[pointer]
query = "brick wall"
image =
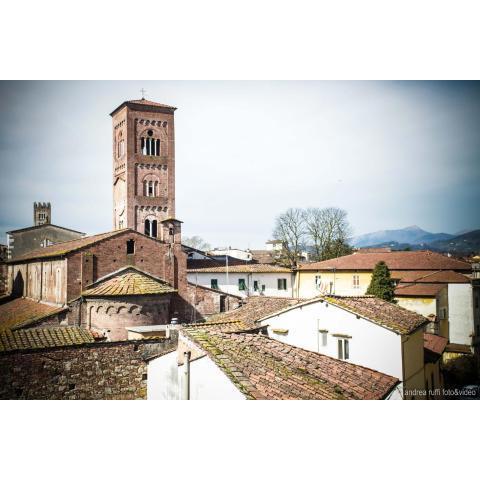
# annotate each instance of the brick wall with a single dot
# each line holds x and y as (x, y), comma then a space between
(99, 371)
(203, 302)
(110, 255)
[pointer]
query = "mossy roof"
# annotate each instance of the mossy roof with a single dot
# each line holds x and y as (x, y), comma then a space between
(128, 281)
(64, 248)
(38, 338)
(263, 368)
(383, 313)
(22, 312)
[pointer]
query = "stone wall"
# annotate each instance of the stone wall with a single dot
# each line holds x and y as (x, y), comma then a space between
(205, 301)
(3, 270)
(116, 370)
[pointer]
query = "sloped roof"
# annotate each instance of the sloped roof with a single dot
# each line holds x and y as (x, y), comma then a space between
(417, 260)
(255, 308)
(386, 314)
(434, 343)
(204, 263)
(128, 281)
(36, 338)
(59, 249)
(263, 368)
(245, 268)
(143, 102)
(263, 256)
(418, 289)
(429, 276)
(36, 227)
(21, 312)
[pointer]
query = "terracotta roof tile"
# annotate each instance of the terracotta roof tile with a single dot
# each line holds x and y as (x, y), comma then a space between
(385, 314)
(21, 312)
(418, 289)
(245, 268)
(263, 368)
(59, 249)
(143, 101)
(255, 308)
(36, 338)
(434, 343)
(128, 281)
(419, 260)
(429, 276)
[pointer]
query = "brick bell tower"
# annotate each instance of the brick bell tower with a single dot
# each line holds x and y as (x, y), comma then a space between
(143, 167)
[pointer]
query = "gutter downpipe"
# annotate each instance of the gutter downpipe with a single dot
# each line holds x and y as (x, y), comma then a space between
(186, 376)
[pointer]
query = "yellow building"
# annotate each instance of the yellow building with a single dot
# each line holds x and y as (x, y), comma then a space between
(351, 274)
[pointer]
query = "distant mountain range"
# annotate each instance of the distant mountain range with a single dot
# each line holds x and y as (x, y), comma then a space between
(415, 238)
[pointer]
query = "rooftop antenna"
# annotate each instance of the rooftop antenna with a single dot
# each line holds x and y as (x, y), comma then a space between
(143, 92)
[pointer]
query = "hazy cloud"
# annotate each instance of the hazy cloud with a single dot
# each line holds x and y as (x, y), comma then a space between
(391, 153)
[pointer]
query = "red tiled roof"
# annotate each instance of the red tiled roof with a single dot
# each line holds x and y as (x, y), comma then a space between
(263, 368)
(418, 289)
(385, 314)
(142, 102)
(418, 260)
(59, 249)
(128, 281)
(255, 308)
(21, 312)
(429, 276)
(244, 268)
(434, 343)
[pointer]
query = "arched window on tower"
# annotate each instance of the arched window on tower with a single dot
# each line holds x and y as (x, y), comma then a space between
(151, 228)
(150, 145)
(150, 186)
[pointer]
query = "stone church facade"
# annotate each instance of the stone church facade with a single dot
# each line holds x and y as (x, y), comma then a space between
(146, 239)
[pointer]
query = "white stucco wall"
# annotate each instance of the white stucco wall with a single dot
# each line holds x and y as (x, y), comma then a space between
(267, 279)
(208, 382)
(370, 345)
(162, 378)
(460, 313)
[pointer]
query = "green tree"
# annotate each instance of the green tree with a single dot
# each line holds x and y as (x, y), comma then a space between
(381, 284)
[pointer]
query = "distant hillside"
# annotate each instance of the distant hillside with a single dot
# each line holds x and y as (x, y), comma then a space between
(466, 243)
(405, 236)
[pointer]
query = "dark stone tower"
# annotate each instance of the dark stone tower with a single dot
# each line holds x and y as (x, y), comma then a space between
(42, 213)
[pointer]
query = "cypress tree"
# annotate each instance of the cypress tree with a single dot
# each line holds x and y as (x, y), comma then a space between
(381, 284)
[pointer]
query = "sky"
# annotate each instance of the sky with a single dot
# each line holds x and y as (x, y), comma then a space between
(392, 154)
